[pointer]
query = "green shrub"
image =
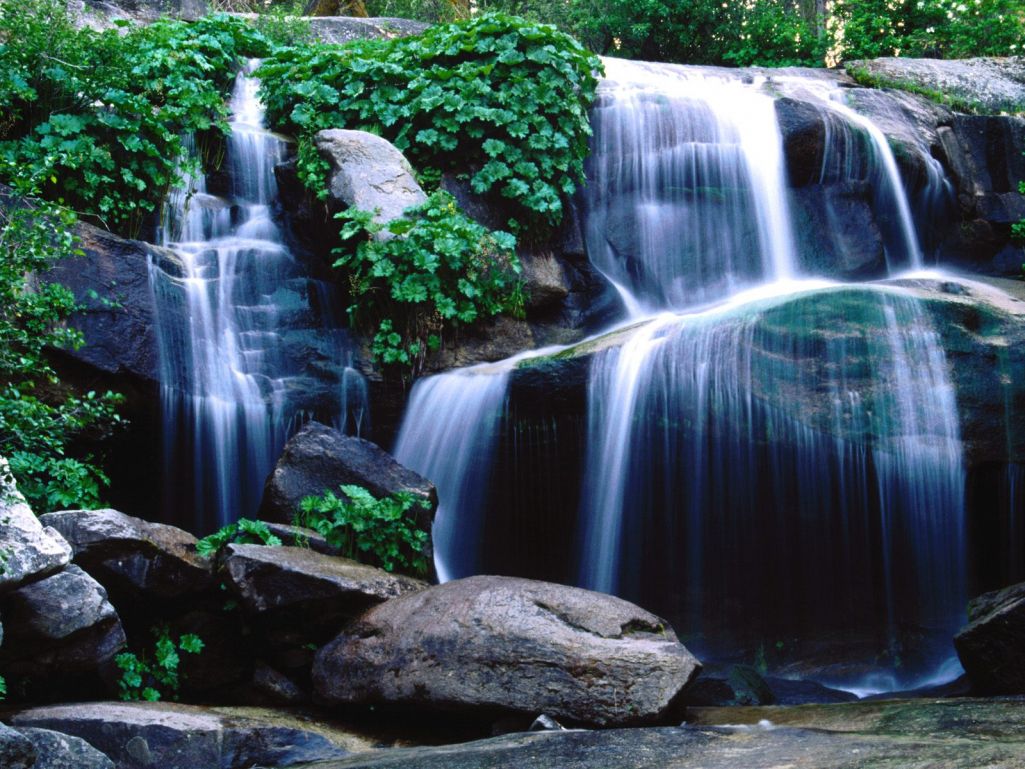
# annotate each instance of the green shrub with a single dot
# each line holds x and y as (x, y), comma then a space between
(244, 532)
(40, 420)
(948, 29)
(498, 100)
(441, 269)
(97, 117)
(159, 678)
(363, 527)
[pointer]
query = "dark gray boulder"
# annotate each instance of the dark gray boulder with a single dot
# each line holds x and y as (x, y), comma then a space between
(146, 735)
(16, 750)
(269, 578)
(62, 637)
(62, 751)
(28, 550)
(130, 555)
(804, 139)
(501, 644)
(992, 645)
(729, 685)
(320, 458)
(297, 599)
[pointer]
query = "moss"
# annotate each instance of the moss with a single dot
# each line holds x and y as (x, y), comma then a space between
(862, 76)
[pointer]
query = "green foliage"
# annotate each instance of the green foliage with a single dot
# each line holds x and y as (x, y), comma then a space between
(437, 269)
(143, 678)
(932, 28)
(3, 689)
(763, 32)
(498, 100)
(39, 420)
(96, 118)
(379, 531)
(244, 532)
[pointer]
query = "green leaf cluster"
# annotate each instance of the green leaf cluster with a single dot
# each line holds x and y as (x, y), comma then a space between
(432, 269)
(495, 99)
(40, 421)
(96, 118)
(156, 677)
(243, 532)
(949, 29)
(378, 531)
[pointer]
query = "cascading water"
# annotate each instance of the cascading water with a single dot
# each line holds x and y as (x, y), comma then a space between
(684, 196)
(449, 436)
(228, 314)
(785, 464)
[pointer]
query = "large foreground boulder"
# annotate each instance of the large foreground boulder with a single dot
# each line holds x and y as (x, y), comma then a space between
(992, 645)
(28, 550)
(320, 458)
(133, 556)
(500, 644)
(146, 735)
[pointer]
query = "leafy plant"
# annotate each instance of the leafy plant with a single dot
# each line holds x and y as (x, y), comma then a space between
(97, 117)
(497, 100)
(244, 532)
(361, 526)
(3, 689)
(40, 420)
(933, 28)
(153, 679)
(438, 269)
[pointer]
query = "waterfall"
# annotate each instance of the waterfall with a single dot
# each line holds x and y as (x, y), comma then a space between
(769, 459)
(685, 198)
(228, 312)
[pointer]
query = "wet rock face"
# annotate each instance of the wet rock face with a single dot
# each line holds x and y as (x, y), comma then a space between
(320, 458)
(995, 85)
(499, 644)
(992, 645)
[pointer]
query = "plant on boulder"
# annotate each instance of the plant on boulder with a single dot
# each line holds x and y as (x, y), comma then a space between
(497, 100)
(363, 527)
(159, 678)
(437, 269)
(243, 532)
